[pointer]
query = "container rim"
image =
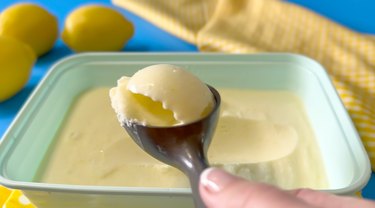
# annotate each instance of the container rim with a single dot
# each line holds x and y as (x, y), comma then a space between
(71, 60)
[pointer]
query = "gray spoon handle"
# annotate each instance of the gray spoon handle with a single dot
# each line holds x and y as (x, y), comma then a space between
(193, 174)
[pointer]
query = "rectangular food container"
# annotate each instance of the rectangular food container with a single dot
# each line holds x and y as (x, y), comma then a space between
(26, 142)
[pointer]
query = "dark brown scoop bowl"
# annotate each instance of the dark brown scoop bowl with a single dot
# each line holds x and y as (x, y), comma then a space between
(182, 146)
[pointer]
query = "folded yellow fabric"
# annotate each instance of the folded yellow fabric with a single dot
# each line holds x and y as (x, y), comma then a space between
(13, 199)
(248, 26)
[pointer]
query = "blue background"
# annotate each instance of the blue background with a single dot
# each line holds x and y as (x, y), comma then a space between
(358, 15)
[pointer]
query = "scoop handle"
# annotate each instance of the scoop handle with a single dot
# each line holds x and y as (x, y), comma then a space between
(193, 172)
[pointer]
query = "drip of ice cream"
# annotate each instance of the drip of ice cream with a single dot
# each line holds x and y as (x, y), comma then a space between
(161, 95)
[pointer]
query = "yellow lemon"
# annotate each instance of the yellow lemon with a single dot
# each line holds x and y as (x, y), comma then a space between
(16, 62)
(30, 24)
(96, 28)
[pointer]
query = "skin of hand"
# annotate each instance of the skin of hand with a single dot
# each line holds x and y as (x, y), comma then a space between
(220, 189)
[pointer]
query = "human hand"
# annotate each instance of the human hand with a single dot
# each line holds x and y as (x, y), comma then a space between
(220, 189)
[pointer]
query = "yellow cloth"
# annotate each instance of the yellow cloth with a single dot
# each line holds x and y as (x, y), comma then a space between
(13, 199)
(248, 26)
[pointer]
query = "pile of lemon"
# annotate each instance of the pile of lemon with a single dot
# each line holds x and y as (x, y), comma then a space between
(28, 31)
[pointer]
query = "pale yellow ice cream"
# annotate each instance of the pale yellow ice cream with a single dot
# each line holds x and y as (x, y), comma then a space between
(161, 95)
(261, 135)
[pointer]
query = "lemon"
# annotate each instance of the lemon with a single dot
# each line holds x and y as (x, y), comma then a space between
(16, 62)
(96, 28)
(30, 24)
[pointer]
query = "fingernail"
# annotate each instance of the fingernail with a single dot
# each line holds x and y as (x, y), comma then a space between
(215, 179)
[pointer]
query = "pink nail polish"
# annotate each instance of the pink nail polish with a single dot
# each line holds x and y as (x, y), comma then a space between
(215, 180)
(206, 182)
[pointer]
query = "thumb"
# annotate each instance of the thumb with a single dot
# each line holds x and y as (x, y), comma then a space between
(220, 189)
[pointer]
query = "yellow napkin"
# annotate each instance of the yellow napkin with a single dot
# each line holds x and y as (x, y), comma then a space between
(248, 26)
(13, 199)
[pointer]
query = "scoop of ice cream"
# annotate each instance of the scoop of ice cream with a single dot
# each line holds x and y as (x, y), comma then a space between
(161, 95)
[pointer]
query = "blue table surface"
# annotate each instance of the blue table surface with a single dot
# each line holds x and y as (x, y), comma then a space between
(357, 15)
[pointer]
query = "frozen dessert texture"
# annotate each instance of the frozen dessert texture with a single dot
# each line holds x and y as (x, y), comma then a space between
(161, 95)
(261, 135)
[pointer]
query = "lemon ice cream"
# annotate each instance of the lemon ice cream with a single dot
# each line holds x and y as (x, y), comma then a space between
(161, 95)
(261, 135)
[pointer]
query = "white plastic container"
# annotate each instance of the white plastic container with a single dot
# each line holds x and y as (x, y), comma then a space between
(27, 141)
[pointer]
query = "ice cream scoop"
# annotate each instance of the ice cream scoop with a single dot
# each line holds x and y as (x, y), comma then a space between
(181, 146)
(171, 115)
(161, 95)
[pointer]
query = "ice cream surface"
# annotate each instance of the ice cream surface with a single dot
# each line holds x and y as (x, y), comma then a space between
(161, 95)
(261, 135)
